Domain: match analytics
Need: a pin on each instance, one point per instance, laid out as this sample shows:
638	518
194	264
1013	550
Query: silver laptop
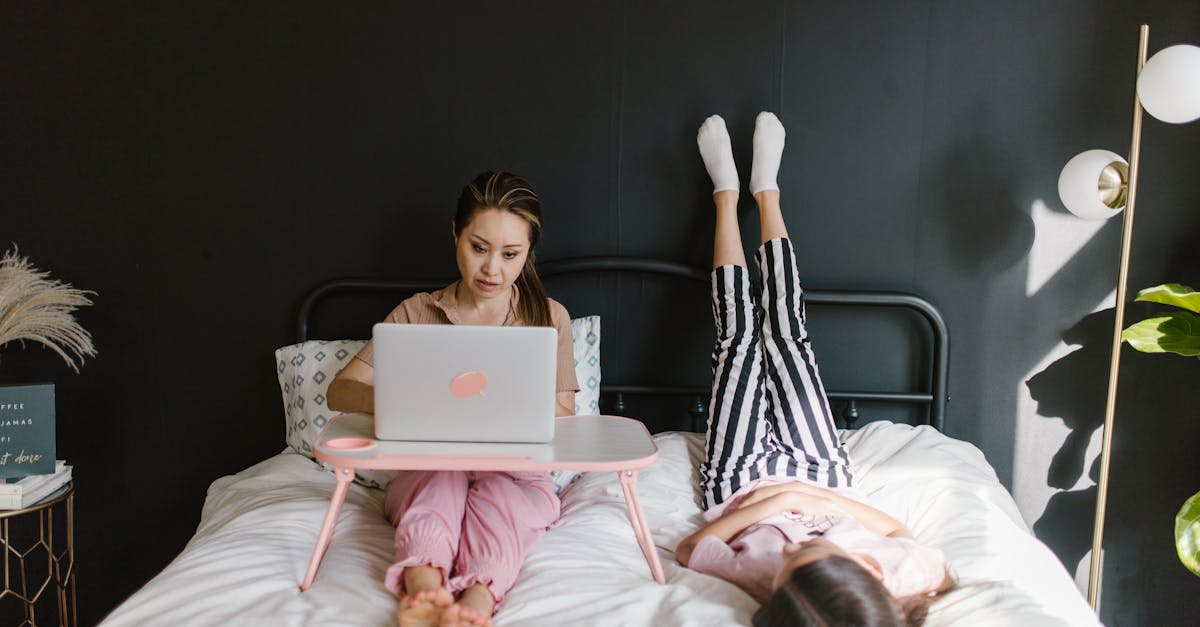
458	383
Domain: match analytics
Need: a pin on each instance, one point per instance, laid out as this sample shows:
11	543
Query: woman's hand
795	502
810	499
793	487
765	505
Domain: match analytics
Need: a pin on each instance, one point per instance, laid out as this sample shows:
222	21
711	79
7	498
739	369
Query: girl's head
821	584
496	226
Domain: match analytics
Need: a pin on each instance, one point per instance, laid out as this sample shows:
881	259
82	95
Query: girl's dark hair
835	591
508	192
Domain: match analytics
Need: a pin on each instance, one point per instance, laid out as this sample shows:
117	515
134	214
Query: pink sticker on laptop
468	384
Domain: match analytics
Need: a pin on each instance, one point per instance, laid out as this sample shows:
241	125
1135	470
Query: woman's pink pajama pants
475	526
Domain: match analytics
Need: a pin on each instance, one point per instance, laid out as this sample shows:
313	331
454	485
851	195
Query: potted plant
1174	331
36	308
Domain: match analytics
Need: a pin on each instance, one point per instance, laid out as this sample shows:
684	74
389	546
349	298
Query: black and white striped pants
768	415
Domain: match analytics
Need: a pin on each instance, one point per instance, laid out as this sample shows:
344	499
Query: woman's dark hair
835	591
508	192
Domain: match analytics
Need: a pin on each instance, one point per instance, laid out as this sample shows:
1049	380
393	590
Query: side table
39	555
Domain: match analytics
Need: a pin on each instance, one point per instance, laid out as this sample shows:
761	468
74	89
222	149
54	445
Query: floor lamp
1098	184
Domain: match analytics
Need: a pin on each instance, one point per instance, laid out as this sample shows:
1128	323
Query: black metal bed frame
934	398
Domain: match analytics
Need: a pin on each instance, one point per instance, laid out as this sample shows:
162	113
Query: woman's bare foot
474	608
461	616
423	609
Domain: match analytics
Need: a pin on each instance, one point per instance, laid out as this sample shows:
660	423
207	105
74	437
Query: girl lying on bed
785	521
461	537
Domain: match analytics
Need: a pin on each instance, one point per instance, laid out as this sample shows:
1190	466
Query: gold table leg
21	558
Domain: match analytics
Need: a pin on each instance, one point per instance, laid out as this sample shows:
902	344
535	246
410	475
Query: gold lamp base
1111	188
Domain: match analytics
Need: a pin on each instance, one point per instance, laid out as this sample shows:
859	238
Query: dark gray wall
200	165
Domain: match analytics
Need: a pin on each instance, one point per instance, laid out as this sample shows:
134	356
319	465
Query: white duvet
258	528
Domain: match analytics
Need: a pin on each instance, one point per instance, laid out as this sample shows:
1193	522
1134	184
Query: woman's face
797	555
491	252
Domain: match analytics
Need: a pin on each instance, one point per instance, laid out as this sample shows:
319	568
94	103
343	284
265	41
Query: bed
258	527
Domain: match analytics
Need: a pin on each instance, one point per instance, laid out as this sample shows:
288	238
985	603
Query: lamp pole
1118	324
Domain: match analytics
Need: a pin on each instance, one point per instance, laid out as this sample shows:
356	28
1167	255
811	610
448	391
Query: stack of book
19	492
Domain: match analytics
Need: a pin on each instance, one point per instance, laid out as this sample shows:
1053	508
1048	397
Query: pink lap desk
585	443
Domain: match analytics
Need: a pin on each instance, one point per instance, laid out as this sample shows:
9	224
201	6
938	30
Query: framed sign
26	430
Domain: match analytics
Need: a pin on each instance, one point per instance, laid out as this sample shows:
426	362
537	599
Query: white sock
768	151
717	152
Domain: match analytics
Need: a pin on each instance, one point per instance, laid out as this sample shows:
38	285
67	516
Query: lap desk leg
638	520
344	477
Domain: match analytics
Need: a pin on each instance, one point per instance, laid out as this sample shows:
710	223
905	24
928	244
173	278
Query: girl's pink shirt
753	558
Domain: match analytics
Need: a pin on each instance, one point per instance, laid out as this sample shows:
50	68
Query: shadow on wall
993	231
1071	389
984	234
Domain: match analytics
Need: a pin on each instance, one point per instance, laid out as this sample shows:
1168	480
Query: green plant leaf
1172	294
1173	332
1187	533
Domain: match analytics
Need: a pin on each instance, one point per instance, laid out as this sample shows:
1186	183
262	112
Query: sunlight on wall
1082	569
1093	451
1037	440
1058	236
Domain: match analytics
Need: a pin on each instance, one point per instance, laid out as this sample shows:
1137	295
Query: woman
461	536
785	523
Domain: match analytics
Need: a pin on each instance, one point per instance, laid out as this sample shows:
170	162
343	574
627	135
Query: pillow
305	370
586	345
587	363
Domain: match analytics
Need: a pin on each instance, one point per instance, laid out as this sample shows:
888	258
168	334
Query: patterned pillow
586	332
587	363
305	370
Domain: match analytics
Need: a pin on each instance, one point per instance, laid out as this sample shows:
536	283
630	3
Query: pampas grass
36	308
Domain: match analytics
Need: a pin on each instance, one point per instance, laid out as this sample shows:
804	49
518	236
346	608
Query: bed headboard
883	355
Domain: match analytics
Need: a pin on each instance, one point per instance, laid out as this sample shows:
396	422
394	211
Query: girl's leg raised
735	448
801	419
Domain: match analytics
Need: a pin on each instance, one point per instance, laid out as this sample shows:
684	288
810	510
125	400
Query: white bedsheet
258	529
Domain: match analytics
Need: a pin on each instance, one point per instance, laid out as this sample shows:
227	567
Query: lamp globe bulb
1169	84
1092	184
